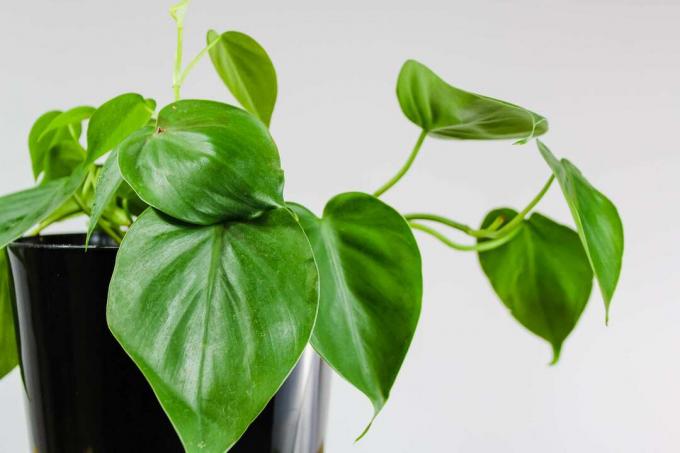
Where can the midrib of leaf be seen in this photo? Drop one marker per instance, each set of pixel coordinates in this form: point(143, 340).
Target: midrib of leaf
point(239, 79)
point(330, 241)
point(217, 242)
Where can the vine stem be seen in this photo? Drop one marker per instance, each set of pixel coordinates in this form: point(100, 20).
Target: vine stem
point(176, 75)
point(195, 61)
point(479, 247)
point(493, 231)
point(402, 171)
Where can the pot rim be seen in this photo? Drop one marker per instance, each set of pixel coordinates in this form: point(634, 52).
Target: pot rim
point(61, 241)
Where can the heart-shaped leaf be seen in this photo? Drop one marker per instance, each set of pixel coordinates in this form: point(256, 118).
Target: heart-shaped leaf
point(542, 275)
point(597, 220)
point(41, 144)
point(448, 112)
point(114, 121)
point(215, 317)
point(108, 184)
point(70, 117)
point(22, 210)
point(246, 70)
point(62, 159)
point(8, 347)
point(204, 163)
point(371, 289)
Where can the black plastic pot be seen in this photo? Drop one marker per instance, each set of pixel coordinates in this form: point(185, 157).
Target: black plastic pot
point(83, 392)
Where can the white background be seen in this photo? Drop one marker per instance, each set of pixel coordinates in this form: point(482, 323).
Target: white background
point(604, 72)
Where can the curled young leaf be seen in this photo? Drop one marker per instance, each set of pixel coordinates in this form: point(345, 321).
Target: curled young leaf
point(204, 163)
point(8, 347)
point(371, 289)
point(114, 121)
point(447, 112)
point(597, 221)
point(246, 70)
point(215, 317)
point(542, 275)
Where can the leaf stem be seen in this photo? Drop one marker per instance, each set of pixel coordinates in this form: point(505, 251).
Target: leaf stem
point(103, 224)
point(402, 171)
point(176, 84)
point(195, 61)
point(480, 247)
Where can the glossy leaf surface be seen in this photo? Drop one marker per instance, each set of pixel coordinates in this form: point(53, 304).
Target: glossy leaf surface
point(22, 210)
point(542, 276)
point(246, 69)
point(371, 289)
point(8, 348)
point(448, 112)
point(597, 220)
point(114, 121)
point(205, 163)
point(108, 184)
point(214, 316)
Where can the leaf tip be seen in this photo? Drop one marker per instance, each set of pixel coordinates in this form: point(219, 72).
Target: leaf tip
point(557, 349)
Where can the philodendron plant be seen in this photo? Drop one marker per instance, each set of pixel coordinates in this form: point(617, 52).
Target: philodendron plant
point(220, 283)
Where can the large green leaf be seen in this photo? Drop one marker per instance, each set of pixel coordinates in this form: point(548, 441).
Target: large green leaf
point(114, 121)
point(108, 184)
point(371, 290)
point(214, 316)
point(22, 210)
point(8, 347)
point(42, 143)
point(597, 220)
point(448, 112)
point(245, 68)
point(204, 163)
point(542, 275)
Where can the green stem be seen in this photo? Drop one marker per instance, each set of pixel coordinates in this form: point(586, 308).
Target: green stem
point(103, 224)
point(479, 247)
point(517, 220)
point(195, 61)
point(443, 220)
point(176, 84)
point(412, 157)
point(54, 219)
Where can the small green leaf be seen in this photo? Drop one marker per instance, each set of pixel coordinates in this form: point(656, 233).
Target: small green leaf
point(22, 210)
point(246, 70)
point(371, 289)
point(216, 317)
point(108, 184)
point(70, 117)
point(597, 220)
point(205, 162)
point(448, 112)
point(114, 121)
point(8, 347)
point(542, 275)
point(61, 160)
point(40, 144)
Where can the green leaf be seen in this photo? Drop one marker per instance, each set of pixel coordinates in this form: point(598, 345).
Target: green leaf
point(246, 70)
point(68, 118)
point(205, 162)
point(542, 275)
point(597, 220)
point(8, 347)
point(108, 184)
point(114, 121)
point(40, 143)
point(448, 112)
point(62, 159)
point(216, 317)
point(22, 210)
point(371, 289)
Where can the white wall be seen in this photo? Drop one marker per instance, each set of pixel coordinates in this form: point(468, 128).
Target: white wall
point(604, 72)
